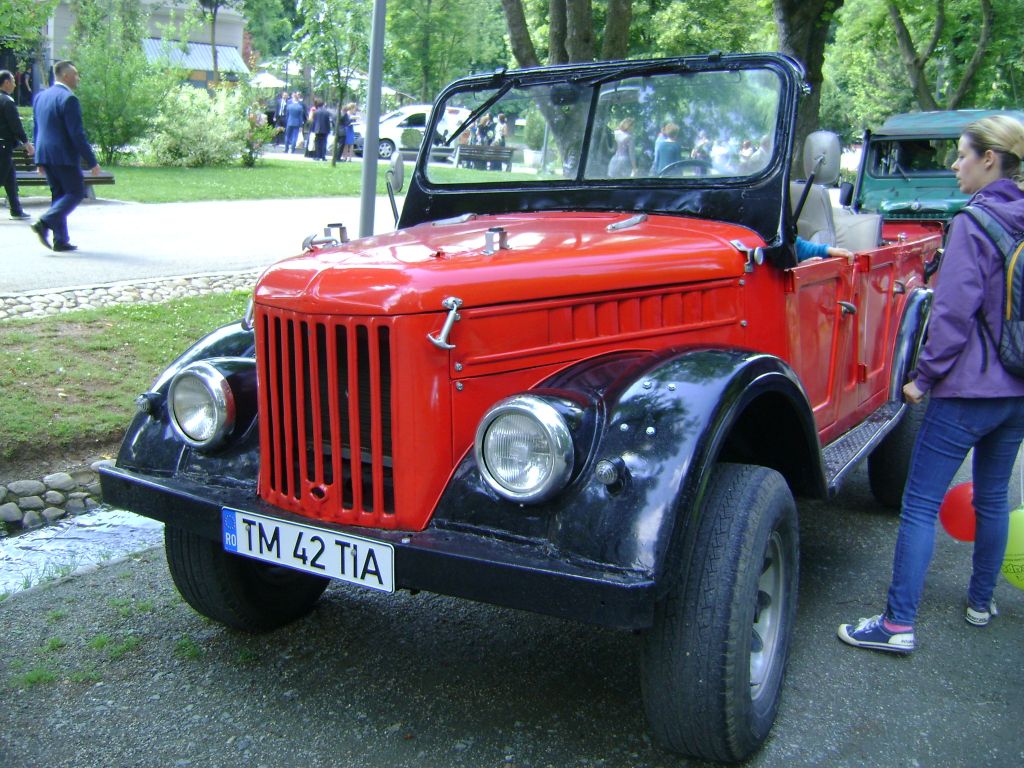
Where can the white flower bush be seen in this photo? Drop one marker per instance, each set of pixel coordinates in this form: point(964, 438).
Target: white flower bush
point(197, 127)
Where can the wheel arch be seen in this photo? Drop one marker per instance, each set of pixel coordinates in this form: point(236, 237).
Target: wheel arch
point(150, 443)
point(663, 420)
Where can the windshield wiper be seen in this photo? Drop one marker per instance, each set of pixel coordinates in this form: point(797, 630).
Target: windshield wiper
point(637, 71)
point(481, 109)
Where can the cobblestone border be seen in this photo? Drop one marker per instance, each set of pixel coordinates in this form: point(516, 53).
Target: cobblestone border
point(27, 504)
point(40, 303)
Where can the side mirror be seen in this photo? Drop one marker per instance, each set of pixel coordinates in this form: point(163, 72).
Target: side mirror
point(846, 194)
point(396, 173)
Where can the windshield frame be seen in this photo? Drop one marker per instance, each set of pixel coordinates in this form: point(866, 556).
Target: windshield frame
point(759, 201)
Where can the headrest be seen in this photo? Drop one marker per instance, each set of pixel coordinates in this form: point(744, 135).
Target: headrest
point(815, 145)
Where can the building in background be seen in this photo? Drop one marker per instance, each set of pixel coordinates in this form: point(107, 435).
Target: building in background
point(195, 55)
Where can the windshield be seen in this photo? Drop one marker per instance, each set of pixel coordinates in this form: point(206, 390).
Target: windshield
point(912, 157)
point(693, 125)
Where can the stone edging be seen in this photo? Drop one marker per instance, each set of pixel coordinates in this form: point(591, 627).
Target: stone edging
point(40, 303)
point(26, 504)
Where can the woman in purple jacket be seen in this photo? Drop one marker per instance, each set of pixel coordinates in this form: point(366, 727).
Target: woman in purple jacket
point(974, 402)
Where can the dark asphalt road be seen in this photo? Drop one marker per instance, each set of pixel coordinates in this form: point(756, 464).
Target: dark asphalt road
point(370, 680)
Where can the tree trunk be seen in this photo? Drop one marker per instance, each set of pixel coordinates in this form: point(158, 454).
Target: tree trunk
point(984, 38)
point(213, 44)
point(616, 30)
point(803, 27)
point(556, 33)
point(579, 30)
point(913, 61)
point(519, 34)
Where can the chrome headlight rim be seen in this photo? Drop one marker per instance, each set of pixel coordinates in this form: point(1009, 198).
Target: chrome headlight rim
point(556, 431)
point(222, 399)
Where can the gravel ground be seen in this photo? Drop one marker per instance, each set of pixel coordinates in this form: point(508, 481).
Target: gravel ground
point(127, 675)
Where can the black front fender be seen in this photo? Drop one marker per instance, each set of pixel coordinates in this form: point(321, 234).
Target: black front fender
point(150, 444)
point(662, 420)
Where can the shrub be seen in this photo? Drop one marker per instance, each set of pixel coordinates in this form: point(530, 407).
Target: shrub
point(198, 128)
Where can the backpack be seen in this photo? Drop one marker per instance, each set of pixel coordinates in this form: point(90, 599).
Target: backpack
point(1011, 246)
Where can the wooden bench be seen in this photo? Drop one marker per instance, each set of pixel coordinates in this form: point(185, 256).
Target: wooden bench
point(475, 156)
point(25, 170)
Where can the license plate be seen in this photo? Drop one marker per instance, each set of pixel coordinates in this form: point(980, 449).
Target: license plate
point(309, 549)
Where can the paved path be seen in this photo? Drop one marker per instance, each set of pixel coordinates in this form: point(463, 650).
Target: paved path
point(131, 241)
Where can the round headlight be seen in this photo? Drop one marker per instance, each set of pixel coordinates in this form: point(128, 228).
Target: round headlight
point(201, 405)
point(524, 448)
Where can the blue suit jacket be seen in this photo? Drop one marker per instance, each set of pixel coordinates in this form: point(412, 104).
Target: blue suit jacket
point(59, 134)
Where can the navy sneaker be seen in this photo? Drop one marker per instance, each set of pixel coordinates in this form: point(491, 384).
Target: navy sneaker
point(980, 618)
point(871, 633)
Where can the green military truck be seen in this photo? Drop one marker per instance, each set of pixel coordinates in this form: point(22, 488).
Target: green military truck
point(905, 169)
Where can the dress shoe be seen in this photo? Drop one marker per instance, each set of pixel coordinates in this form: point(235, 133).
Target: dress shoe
point(64, 247)
point(43, 232)
point(21, 215)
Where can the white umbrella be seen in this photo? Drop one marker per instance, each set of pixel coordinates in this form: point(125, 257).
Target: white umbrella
point(266, 80)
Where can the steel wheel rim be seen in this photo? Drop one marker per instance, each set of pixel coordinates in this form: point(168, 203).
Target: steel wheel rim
point(769, 609)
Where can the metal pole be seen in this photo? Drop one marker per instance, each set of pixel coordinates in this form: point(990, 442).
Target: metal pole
point(372, 122)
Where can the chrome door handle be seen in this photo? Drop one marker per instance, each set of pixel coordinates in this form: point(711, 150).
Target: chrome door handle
point(848, 307)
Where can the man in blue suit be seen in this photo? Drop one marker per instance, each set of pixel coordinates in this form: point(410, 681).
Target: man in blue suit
point(61, 144)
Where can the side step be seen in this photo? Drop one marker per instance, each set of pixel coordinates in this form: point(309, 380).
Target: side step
point(843, 454)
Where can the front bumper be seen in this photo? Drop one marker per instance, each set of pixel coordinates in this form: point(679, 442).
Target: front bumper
point(471, 565)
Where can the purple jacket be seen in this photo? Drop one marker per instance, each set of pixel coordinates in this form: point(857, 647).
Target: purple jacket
point(952, 363)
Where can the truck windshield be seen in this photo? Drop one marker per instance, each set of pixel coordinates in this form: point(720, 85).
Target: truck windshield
point(912, 157)
point(700, 126)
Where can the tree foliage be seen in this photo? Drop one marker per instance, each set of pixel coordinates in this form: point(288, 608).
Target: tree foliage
point(432, 42)
point(23, 24)
point(270, 24)
point(867, 77)
point(120, 90)
point(332, 39)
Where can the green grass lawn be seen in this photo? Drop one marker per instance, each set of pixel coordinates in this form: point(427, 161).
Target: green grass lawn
point(270, 179)
point(72, 379)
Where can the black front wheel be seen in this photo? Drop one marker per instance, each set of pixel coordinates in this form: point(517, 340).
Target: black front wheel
point(714, 661)
point(237, 591)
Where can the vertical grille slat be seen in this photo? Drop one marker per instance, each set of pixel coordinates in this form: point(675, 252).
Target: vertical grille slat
point(325, 414)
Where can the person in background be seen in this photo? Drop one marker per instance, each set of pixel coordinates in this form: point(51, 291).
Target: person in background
point(279, 117)
point(666, 148)
point(974, 401)
point(12, 136)
point(501, 131)
point(321, 129)
point(623, 162)
point(61, 145)
point(350, 132)
point(294, 117)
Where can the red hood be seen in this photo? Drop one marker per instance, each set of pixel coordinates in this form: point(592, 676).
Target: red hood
point(549, 255)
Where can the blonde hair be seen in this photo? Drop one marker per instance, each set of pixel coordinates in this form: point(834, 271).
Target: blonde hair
point(1005, 137)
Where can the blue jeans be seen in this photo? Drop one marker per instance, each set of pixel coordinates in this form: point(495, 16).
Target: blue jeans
point(994, 428)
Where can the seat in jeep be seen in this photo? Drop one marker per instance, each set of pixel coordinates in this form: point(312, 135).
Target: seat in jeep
point(819, 222)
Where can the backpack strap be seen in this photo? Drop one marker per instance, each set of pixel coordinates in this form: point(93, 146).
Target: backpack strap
point(1003, 241)
point(991, 226)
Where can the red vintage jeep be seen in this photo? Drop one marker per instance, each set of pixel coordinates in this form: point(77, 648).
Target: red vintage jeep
point(589, 386)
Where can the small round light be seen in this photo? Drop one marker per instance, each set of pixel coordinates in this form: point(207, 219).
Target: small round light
point(201, 405)
point(524, 448)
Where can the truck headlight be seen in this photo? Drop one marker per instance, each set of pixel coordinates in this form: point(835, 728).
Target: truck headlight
point(524, 448)
point(201, 405)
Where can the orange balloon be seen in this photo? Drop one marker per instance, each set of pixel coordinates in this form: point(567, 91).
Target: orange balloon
point(957, 512)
